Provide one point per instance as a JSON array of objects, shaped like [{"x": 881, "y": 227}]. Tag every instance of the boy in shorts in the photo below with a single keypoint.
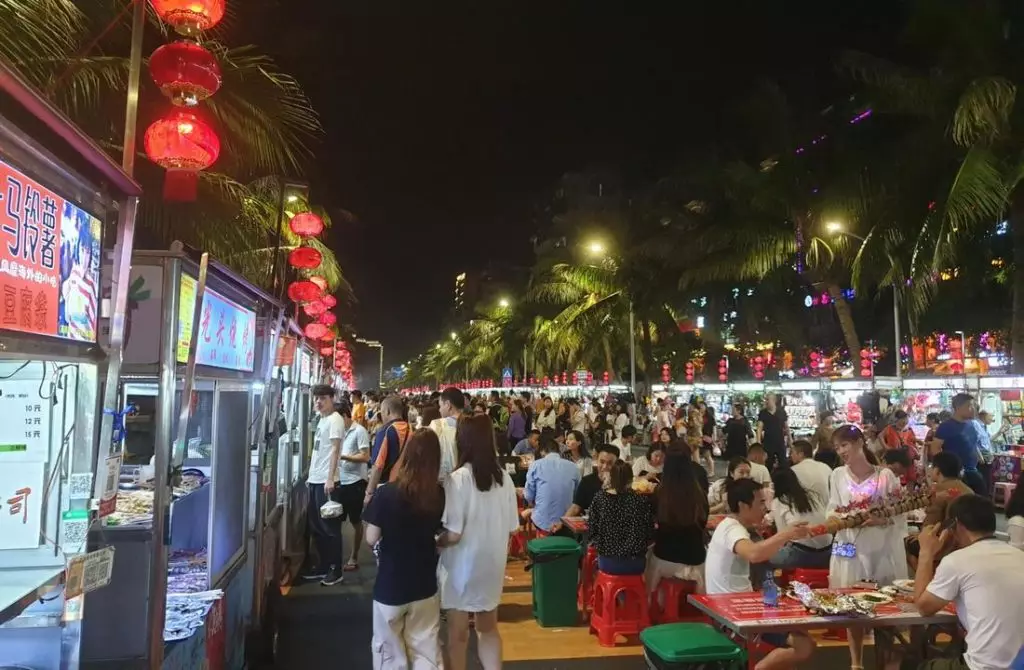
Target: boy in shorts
[{"x": 730, "y": 553}]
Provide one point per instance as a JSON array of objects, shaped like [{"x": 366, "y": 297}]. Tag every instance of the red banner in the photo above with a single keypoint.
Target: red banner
[
  {"x": 215, "y": 636},
  {"x": 49, "y": 261}
]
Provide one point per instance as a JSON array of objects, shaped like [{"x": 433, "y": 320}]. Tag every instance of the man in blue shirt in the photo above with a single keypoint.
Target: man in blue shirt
[
  {"x": 958, "y": 435},
  {"x": 550, "y": 484},
  {"x": 527, "y": 445}
]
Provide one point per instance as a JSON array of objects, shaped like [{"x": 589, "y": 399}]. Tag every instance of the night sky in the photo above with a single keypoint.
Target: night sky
[{"x": 448, "y": 123}]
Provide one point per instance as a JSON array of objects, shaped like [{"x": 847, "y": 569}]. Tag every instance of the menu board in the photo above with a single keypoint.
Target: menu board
[
  {"x": 49, "y": 261},
  {"x": 227, "y": 331},
  {"x": 25, "y": 428}
]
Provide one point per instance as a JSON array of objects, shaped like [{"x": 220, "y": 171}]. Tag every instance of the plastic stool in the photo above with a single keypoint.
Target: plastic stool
[
  {"x": 610, "y": 618},
  {"x": 815, "y": 578},
  {"x": 585, "y": 594},
  {"x": 673, "y": 593}
]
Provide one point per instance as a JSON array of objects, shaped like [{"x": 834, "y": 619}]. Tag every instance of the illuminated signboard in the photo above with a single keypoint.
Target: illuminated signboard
[
  {"x": 49, "y": 261},
  {"x": 227, "y": 331}
]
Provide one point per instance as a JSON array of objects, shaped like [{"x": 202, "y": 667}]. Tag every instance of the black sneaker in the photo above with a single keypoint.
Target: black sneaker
[
  {"x": 333, "y": 576},
  {"x": 315, "y": 572}
]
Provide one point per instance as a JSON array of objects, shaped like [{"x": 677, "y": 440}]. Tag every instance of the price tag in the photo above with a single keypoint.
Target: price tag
[
  {"x": 90, "y": 572},
  {"x": 112, "y": 478}
]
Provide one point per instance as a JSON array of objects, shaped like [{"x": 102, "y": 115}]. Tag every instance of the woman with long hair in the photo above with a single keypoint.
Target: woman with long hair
[
  {"x": 402, "y": 520},
  {"x": 874, "y": 550},
  {"x": 791, "y": 505},
  {"x": 679, "y": 446},
  {"x": 621, "y": 524},
  {"x": 479, "y": 516},
  {"x": 739, "y": 468},
  {"x": 665, "y": 437},
  {"x": 563, "y": 418},
  {"x": 546, "y": 416},
  {"x": 516, "y": 423},
  {"x": 681, "y": 509},
  {"x": 576, "y": 451}
]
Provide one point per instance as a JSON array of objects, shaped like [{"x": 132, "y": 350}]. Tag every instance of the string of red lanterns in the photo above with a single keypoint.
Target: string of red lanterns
[{"x": 187, "y": 73}]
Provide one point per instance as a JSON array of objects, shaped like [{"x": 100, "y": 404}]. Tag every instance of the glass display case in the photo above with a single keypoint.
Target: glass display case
[
  {"x": 64, "y": 199},
  {"x": 181, "y": 522}
]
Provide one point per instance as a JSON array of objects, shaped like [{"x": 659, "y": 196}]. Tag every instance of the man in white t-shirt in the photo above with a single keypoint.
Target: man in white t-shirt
[
  {"x": 757, "y": 457},
  {"x": 451, "y": 402},
  {"x": 813, "y": 475},
  {"x": 322, "y": 482},
  {"x": 730, "y": 553},
  {"x": 625, "y": 443},
  {"x": 352, "y": 476},
  {"x": 984, "y": 578}
]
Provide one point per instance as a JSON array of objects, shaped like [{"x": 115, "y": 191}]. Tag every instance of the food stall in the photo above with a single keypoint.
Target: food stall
[
  {"x": 63, "y": 200},
  {"x": 845, "y": 399},
  {"x": 1002, "y": 397},
  {"x": 803, "y": 400},
  {"x": 181, "y": 589},
  {"x": 925, "y": 395}
]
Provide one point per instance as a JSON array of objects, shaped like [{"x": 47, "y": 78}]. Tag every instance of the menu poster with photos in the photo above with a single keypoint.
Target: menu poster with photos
[
  {"x": 21, "y": 505},
  {"x": 227, "y": 331},
  {"x": 25, "y": 427},
  {"x": 50, "y": 254}
]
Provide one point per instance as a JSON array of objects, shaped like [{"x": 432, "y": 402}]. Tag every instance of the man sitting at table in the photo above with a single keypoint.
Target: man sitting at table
[
  {"x": 982, "y": 577},
  {"x": 730, "y": 553},
  {"x": 550, "y": 483}
]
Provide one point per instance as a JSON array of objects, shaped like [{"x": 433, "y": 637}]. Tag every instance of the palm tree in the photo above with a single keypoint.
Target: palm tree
[
  {"x": 263, "y": 117},
  {"x": 964, "y": 155}
]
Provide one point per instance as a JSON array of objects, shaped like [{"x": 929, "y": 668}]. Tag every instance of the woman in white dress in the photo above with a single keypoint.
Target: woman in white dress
[
  {"x": 874, "y": 550},
  {"x": 479, "y": 516}
]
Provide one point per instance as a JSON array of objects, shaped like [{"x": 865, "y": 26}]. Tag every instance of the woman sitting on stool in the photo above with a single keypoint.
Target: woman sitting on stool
[
  {"x": 791, "y": 505},
  {"x": 621, "y": 525}
]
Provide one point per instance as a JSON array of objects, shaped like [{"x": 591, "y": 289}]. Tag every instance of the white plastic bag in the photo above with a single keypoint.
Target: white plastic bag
[{"x": 330, "y": 510}]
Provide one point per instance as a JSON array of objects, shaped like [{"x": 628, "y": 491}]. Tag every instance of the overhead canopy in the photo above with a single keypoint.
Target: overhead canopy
[{"x": 36, "y": 116}]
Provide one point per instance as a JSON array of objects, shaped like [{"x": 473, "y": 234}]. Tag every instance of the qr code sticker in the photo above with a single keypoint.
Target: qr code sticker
[
  {"x": 74, "y": 534},
  {"x": 80, "y": 486}
]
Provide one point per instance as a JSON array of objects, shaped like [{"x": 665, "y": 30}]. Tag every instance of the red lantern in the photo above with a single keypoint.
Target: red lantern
[
  {"x": 315, "y": 308},
  {"x": 306, "y": 224},
  {"x": 319, "y": 281},
  {"x": 305, "y": 258},
  {"x": 315, "y": 331},
  {"x": 183, "y": 145},
  {"x": 326, "y": 351},
  {"x": 303, "y": 291},
  {"x": 189, "y": 17},
  {"x": 328, "y": 318},
  {"x": 330, "y": 301},
  {"x": 604, "y": 377},
  {"x": 185, "y": 72}
]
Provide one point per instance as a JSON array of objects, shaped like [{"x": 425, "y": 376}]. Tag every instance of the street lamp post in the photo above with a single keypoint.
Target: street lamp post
[
  {"x": 380, "y": 370},
  {"x": 597, "y": 248}
]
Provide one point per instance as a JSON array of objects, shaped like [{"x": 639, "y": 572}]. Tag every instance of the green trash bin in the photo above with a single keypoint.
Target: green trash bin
[
  {"x": 679, "y": 646},
  {"x": 555, "y": 563}
]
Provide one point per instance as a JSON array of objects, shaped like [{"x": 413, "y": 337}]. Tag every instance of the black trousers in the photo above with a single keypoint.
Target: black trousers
[
  {"x": 974, "y": 479},
  {"x": 325, "y": 533},
  {"x": 776, "y": 457}
]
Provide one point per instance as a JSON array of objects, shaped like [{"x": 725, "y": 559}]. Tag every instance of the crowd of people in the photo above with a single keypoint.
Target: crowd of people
[{"x": 433, "y": 485}]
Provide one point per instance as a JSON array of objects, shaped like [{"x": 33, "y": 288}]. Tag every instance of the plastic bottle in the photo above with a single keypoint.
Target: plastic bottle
[{"x": 770, "y": 591}]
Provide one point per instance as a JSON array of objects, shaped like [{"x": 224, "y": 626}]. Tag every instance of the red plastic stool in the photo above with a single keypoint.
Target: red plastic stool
[
  {"x": 610, "y": 617},
  {"x": 585, "y": 592},
  {"x": 673, "y": 593},
  {"x": 815, "y": 578}
]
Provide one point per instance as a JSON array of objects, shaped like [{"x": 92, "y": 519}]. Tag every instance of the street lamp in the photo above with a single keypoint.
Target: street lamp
[
  {"x": 374, "y": 344},
  {"x": 503, "y": 303},
  {"x": 454, "y": 335},
  {"x": 836, "y": 228},
  {"x": 597, "y": 248}
]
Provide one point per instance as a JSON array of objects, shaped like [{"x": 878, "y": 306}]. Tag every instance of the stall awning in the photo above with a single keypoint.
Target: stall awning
[{"x": 21, "y": 92}]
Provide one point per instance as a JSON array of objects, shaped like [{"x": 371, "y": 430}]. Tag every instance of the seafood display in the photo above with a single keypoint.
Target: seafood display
[
  {"x": 187, "y": 572},
  {"x": 829, "y": 602},
  {"x": 185, "y": 614}
]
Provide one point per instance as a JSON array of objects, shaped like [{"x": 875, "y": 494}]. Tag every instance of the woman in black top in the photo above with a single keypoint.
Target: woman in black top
[
  {"x": 681, "y": 509},
  {"x": 621, "y": 525},
  {"x": 737, "y": 433},
  {"x": 679, "y": 446}
]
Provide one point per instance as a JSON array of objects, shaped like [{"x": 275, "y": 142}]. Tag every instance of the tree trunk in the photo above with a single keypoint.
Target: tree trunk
[
  {"x": 845, "y": 316},
  {"x": 608, "y": 364},
  {"x": 647, "y": 349},
  {"x": 1017, "y": 319}
]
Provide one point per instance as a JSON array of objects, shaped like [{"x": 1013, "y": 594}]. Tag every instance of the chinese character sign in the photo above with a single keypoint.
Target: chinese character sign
[
  {"x": 50, "y": 252},
  {"x": 21, "y": 504},
  {"x": 227, "y": 331}
]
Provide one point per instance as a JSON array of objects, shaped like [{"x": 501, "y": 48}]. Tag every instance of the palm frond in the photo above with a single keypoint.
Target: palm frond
[
  {"x": 983, "y": 113},
  {"x": 893, "y": 88},
  {"x": 35, "y": 34}
]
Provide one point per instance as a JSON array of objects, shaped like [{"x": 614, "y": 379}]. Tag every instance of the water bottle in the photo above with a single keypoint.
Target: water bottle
[{"x": 770, "y": 591}]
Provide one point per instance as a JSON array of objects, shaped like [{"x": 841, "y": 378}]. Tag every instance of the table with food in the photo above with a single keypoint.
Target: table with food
[{"x": 747, "y": 617}]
